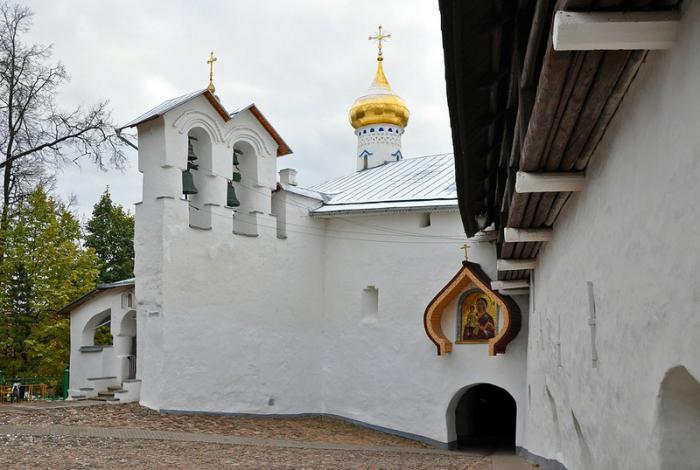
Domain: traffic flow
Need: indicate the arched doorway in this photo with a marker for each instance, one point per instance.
(679, 420)
(485, 417)
(128, 345)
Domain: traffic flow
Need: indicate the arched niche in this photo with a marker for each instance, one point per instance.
(679, 420)
(193, 118)
(471, 277)
(251, 137)
(127, 325)
(199, 213)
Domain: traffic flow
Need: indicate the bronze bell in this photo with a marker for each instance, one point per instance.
(231, 199)
(188, 186)
(191, 157)
(235, 157)
(236, 176)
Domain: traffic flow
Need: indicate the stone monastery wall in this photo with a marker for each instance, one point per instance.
(633, 233)
(276, 312)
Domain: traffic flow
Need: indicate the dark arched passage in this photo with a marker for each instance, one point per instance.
(485, 417)
(679, 420)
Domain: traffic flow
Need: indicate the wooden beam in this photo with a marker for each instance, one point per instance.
(514, 235)
(514, 291)
(548, 182)
(518, 284)
(515, 264)
(607, 31)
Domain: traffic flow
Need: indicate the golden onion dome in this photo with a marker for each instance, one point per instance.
(379, 104)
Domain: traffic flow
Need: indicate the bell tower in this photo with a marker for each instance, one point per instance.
(379, 118)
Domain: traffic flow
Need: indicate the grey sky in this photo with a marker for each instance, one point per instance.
(303, 62)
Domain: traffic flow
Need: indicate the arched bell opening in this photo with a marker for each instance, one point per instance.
(244, 183)
(679, 420)
(483, 416)
(196, 178)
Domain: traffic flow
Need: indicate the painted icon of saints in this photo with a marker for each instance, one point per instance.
(478, 318)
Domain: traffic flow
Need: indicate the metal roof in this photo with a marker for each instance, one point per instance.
(173, 103)
(405, 184)
(435, 205)
(164, 107)
(130, 282)
(310, 193)
(111, 285)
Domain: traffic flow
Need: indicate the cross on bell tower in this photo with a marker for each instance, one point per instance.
(211, 61)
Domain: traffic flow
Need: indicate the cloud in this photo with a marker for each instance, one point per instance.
(302, 62)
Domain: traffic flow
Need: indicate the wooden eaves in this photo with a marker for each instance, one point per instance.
(518, 106)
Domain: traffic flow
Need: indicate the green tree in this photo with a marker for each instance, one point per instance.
(110, 232)
(44, 268)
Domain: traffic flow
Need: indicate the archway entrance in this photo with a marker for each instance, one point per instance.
(679, 420)
(128, 345)
(485, 417)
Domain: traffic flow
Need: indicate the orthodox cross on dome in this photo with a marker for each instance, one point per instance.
(211, 61)
(465, 247)
(379, 37)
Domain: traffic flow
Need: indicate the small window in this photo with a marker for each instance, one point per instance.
(370, 300)
(424, 220)
(371, 129)
(381, 129)
(391, 130)
(127, 300)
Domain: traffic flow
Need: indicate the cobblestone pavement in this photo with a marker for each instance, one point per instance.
(134, 416)
(64, 452)
(118, 436)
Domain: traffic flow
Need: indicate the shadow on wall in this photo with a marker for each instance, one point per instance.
(483, 416)
(555, 421)
(586, 456)
(679, 420)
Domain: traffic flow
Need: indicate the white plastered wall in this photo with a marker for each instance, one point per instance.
(257, 323)
(382, 369)
(632, 232)
(83, 319)
(229, 320)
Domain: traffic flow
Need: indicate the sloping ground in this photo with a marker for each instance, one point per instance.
(107, 436)
(59, 452)
(133, 416)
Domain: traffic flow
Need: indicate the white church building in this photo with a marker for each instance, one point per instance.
(253, 295)
(571, 331)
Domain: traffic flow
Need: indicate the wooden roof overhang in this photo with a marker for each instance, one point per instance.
(470, 275)
(517, 105)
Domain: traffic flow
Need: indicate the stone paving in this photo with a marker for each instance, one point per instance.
(117, 436)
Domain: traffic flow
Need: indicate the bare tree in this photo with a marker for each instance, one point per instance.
(34, 133)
